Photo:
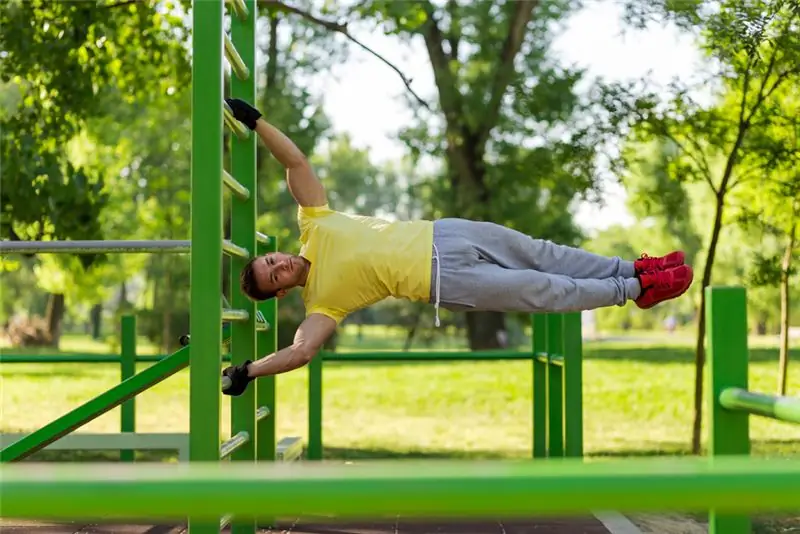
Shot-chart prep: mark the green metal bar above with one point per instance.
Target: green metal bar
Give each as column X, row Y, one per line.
column 88, row 246
column 408, row 488
column 236, row 442
column 235, row 59
column 229, row 247
column 96, row 407
column 539, row 385
column 267, row 442
column 241, row 191
column 401, row 356
column 79, row 358
column 235, row 126
column 206, row 257
column 781, row 408
column 262, row 412
column 127, row 370
column 554, row 359
column 573, row 385
column 235, row 315
column 315, row 409
column 239, row 8
column 244, row 416
column 555, row 386
column 729, row 433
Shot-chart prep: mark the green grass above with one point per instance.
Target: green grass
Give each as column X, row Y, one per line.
column 638, row 398
column 637, row 401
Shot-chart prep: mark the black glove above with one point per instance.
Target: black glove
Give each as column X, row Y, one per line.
column 238, row 377
column 244, row 112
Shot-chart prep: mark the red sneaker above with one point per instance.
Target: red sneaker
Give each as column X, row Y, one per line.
column 659, row 286
column 659, row 263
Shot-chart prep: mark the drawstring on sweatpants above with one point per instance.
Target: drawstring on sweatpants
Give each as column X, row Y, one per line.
column 436, row 282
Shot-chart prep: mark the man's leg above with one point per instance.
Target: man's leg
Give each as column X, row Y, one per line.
column 514, row 250
column 493, row 288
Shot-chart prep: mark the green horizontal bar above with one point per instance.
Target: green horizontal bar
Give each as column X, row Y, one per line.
column 239, row 8
column 234, row 315
column 234, row 185
column 233, row 249
column 781, row 408
column 262, row 413
column 96, row 407
column 96, row 246
column 434, row 488
column 263, row 239
column 399, row 356
column 82, row 358
column 235, row 126
column 227, row 448
column 555, row 359
column 237, row 64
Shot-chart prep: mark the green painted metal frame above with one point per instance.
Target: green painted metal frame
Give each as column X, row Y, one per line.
column 730, row 403
column 96, row 407
column 465, row 489
column 557, row 389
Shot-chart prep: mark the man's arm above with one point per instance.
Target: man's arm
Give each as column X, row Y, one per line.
column 304, row 185
column 308, row 340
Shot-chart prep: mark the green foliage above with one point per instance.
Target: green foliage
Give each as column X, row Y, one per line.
column 71, row 61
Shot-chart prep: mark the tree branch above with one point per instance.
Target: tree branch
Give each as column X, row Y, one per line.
column 342, row 29
column 703, row 166
column 518, row 21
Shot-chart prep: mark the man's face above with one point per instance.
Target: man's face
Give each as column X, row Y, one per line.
column 279, row 272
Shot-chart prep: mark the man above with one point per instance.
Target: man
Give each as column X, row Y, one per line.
column 348, row 262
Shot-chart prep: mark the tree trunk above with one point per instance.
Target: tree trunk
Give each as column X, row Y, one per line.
column 97, row 320
column 412, row 331
column 55, row 317
column 783, row 360
column 484, row 330
column 700, row 353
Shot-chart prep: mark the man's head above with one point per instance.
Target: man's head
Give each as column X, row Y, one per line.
column 273, row 275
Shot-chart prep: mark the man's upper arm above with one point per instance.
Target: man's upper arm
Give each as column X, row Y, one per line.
column 304, row 185
column 313, row 332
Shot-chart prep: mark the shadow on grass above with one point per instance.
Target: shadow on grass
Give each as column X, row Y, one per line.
column 673, row 354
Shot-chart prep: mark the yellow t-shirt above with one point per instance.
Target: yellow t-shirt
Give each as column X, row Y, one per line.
column 357, row 261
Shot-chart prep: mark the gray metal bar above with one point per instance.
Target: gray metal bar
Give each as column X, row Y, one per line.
column 234, row 185
column 95, row 246
column 262, row 412
column 229, row 314
column 262, row 327
column 774, row 407
column 234, row 250
column 235, row 126
column 239, row 8
column 227, row 448
column 263, row 239
column 237, row 64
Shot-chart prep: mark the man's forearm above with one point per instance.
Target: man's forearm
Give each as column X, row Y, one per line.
column 283, row 148
column 283, row 361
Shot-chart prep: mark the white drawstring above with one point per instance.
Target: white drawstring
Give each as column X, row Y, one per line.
column 436, row 304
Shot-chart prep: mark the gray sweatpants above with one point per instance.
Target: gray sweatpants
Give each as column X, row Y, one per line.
column 486, row 266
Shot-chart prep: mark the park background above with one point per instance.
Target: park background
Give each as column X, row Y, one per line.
column 618, row 126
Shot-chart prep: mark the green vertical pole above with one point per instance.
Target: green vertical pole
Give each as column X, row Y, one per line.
column 127, row 370
column 555, row 385
column 539, row 385
column 573, row 385
column 726, row 320
column 206, row 253
column 315, row 409
column 243, row 233
column 266, row 442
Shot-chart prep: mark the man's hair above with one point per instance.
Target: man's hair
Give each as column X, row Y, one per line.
column 247, row 281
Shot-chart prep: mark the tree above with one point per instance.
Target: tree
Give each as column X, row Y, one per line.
column 756, row 48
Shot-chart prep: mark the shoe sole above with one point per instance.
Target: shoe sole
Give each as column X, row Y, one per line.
column 684, row 290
